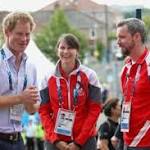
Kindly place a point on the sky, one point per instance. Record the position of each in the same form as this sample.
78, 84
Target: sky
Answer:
25, 5
33, 5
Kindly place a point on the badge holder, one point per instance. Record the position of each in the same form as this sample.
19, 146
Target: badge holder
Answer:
125, 117
16, 112
64, 122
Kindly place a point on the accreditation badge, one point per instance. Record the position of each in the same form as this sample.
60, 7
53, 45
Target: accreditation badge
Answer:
64, 122
16, 112
125, 117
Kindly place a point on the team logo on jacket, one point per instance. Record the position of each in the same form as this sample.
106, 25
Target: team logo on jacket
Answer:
81, 92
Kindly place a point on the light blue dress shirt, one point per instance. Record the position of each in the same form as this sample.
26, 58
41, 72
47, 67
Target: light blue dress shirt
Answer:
17, 76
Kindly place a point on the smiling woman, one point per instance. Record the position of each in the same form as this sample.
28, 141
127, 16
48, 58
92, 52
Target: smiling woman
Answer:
74, 91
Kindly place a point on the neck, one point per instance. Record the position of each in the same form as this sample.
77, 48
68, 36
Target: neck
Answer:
137, 52
18, 62
18, 55
114, 118
68, 68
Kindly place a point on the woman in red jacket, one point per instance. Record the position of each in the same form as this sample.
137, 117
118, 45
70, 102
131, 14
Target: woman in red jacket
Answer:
70, 101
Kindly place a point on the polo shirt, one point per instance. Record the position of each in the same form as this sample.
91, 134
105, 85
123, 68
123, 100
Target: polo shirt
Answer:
138, 93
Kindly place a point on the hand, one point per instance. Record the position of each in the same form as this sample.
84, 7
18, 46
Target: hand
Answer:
61, 145
29, 96
114, 141
73, 146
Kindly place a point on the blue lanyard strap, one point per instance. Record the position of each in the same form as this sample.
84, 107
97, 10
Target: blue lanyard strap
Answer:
10, 80
59, 91
25, 82
75, 91
9, 73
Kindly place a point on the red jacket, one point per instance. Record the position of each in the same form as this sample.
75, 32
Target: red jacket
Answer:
87, 109
139, 132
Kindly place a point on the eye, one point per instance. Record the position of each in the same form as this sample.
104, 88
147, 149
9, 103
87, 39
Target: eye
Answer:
19, 33
69, 47
27, 34
62, 47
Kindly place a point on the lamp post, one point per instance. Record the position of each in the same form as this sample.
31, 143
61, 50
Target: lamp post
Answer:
139, 13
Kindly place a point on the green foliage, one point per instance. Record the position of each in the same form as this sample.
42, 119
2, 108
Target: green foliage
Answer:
147, 23
129, 14
47, 38
1, 39
111, 36
99, 50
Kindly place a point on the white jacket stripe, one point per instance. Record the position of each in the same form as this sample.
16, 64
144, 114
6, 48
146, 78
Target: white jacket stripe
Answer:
141, 134
148, 63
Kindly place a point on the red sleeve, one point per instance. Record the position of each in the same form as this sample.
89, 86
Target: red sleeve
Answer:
46, 115
90, 123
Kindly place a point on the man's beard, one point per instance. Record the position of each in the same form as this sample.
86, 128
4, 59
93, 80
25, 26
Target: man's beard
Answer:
126, 51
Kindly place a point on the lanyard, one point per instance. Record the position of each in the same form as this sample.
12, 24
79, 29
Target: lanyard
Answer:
75, 91
77, 88
137, 76
10, 74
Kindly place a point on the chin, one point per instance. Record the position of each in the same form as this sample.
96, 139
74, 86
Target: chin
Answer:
22, 48
66, 62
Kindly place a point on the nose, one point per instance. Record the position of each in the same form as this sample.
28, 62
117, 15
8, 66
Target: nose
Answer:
66, 50
24, 37
118, 41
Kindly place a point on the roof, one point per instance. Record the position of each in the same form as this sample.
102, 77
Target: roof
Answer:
84, 5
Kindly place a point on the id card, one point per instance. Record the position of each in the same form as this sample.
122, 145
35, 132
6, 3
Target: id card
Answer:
16, 112
64, 122
125, 117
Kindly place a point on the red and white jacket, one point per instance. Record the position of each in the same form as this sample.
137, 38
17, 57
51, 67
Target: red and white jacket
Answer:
139, 132
87, 108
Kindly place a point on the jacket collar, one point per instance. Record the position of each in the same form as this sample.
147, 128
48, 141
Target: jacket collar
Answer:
58, 71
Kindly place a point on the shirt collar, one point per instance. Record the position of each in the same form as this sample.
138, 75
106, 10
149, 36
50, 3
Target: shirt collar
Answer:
140, 59
9, 54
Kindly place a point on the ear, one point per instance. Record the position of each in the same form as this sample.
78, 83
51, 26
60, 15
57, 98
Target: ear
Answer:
7, 32
112, 110
77, 55
57, 53
137, 36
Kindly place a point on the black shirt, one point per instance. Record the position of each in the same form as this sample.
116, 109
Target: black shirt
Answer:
107, 130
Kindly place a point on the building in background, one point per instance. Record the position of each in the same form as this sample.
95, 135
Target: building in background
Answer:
94, 20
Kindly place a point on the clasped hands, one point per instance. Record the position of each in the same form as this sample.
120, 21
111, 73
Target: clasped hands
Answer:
61, 145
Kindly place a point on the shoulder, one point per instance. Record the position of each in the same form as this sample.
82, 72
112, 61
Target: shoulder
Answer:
104, 130
46, 77
105, 124
88, 71
91, 75
147, 58
30, 65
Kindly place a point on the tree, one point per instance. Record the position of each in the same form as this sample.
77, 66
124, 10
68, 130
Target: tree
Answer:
1, 39
47, 38
99, 50
147, 23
